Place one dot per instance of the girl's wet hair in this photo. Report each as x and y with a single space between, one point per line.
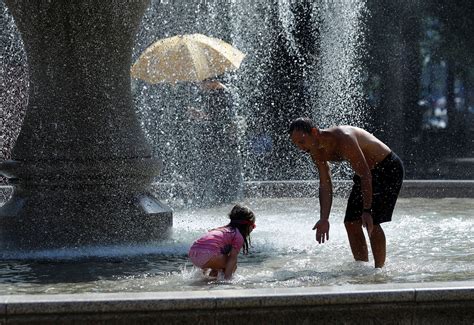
242 219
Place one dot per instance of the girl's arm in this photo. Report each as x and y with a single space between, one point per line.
231 264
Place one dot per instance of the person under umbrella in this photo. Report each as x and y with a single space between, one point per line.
200 59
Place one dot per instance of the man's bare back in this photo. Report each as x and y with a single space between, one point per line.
333 146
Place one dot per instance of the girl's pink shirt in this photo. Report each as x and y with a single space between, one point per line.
217 239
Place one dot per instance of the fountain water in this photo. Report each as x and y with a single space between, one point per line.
284 253
322 72
286 277
60 165
300 61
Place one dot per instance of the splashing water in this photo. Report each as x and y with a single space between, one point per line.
302 59
13 82
428 240
340 72
284 75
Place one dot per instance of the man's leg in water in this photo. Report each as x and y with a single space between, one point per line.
378 245
357 240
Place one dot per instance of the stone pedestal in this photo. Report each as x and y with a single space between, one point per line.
81 166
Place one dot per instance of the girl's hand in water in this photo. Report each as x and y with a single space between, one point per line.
322 230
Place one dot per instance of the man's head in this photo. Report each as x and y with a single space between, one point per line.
302 132
301 124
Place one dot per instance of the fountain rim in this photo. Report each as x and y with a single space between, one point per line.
214 302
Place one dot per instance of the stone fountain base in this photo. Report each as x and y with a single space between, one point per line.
81 204
46 221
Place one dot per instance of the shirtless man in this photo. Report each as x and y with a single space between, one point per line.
377 182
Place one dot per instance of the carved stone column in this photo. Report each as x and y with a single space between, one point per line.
81 166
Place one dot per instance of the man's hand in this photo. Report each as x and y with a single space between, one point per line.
322 230
367 222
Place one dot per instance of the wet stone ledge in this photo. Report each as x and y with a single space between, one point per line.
428 303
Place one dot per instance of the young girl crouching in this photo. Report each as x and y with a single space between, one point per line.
218 249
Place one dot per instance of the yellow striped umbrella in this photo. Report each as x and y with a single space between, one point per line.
192 57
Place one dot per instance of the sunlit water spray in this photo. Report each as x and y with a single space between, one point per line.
13 82
329 72
338 93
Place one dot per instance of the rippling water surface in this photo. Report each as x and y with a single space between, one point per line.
428 240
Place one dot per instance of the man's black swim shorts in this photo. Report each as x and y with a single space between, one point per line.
387 179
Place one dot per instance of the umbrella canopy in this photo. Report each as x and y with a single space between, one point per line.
192 57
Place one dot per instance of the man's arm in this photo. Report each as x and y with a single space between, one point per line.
325 189
325 201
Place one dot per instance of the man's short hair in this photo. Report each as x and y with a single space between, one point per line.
303 124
